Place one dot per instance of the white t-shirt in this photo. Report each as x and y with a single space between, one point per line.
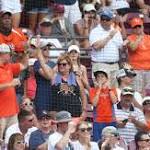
15 129
110 52
78 146
53 140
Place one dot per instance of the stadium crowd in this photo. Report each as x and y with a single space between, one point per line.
74 75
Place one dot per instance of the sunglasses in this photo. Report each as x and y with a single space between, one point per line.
104 18
146 102
90 12
145 140
128 90
138 26
28 104
45 118
85 129
62 64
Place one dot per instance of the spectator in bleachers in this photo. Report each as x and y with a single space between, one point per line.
61 26
65 127
102 97
13 6
16 142
84 138
68 90
146 110
138 44
9 107
84 26
43 97
24 126
45 30
129 119
40 136
105 41
111 140
78 68
36 10
142 140
125 79
10 36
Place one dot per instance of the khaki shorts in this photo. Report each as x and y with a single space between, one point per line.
5 123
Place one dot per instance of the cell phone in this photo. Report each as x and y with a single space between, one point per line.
125 120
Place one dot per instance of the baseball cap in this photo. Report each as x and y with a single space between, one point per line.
127 91
73 48
63 116
107 13
146 100
100 71
45 22
89 7
4 48
42 114
3 12
110 130
135 22
43 43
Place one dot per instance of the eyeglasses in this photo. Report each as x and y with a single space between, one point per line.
85 129
62 64
104 18
146 102
138 26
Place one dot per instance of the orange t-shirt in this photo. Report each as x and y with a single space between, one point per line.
140 58
8 102
104 108
15 39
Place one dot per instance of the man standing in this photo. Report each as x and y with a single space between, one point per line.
10 36
105 41
129 119
139 58
8 104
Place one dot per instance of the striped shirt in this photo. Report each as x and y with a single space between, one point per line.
110 52
129 131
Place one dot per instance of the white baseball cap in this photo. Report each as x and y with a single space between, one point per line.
89 7
73 48
4 48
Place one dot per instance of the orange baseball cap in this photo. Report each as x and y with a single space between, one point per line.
135 22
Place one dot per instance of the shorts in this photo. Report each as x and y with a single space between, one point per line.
14 6
39 10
